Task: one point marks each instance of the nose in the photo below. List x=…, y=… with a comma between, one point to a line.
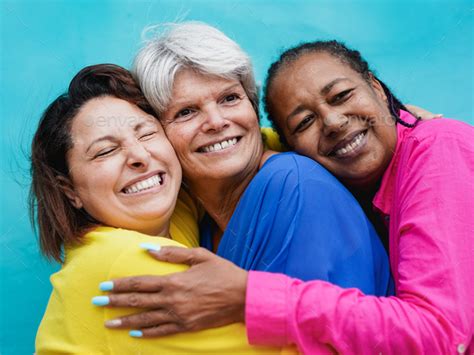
x=138, y=157
x=215, y=120
x=334, y=123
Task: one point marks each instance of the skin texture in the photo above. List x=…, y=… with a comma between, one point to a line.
x=205, y=110
x=115, y=144
x=320, y=103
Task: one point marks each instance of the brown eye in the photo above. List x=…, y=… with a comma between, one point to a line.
x=183, y=113
x=340, y=97
x=305, y=122
x=230, y=98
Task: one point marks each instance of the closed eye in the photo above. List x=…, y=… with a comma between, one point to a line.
x=105, y=152
x=148, y=135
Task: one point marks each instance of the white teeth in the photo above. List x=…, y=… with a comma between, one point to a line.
x=219, y=146
x=144, y=185
x=349, y=147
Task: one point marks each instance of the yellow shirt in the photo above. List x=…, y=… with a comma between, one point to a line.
x=71, y=324
x=271, y=140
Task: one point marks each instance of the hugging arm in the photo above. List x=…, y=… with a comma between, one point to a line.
x=432, y=263
x=320, y=231
x=211, y=293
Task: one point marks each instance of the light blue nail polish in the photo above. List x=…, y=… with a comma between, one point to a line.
x=150, y=246
x=100, y=301
x=136, y=333
x=106, y=286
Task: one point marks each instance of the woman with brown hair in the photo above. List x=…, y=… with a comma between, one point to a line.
x=105, y=185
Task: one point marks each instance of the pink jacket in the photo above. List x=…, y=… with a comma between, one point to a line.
x=427, y=198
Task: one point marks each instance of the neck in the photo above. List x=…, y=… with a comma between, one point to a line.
x=365, y=197
x=220, y=197
x=163, y=230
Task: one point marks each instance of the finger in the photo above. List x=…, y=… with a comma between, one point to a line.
x=162, y=330
x=147, y=283
x=142, y=320
x=179, y=255
x=134, y=300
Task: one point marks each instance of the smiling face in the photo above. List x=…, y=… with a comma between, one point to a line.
x=123, y=170
x=329, y=112
x=213, y=128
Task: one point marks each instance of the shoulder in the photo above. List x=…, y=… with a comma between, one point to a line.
x=113, y=252
x=106, y=243
x=438, y=130
x=271, y=139
x=292, y=165
x=290, y=175
x=442, y=142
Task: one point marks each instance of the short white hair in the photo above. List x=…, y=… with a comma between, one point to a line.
x=190, y=45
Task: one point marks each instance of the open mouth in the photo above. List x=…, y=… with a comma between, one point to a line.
x=144, y=185
x=348, y=146
x=216, y=147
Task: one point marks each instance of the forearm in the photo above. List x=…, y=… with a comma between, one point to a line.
x=320, y=317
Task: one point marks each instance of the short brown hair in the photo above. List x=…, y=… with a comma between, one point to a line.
x=59, y=222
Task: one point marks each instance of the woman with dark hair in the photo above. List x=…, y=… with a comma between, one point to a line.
x=327, y=104
x=105, y=185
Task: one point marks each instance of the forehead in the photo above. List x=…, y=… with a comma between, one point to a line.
x=316, y=68
x=190, y=83
x=108, y=114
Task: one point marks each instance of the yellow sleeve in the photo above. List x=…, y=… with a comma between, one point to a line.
x=71, y=324
x=271, y=140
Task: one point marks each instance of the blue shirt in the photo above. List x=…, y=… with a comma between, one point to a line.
x=296, y=218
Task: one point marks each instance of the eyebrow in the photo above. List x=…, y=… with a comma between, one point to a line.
x=324, y=91
x=112, y=138
x=329, y=86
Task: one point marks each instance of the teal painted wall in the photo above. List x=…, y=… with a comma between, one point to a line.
x=422, y=49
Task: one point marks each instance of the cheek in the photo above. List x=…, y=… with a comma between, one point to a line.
x=179, y=139
x=308, y=143
x=246, y=116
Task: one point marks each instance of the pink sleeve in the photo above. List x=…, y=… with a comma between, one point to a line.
x=432, y=261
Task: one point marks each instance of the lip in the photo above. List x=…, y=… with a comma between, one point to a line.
x=199, y=150
x=346, y=140
x=144, y=177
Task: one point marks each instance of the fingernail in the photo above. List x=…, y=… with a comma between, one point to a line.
x=439, y=115
x=100, y=300
x=106, y=286
x=150, y=246
x=113, y=323
x=136, y=333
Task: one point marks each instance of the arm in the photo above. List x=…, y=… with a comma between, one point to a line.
x=305, y=223
x=432, y=312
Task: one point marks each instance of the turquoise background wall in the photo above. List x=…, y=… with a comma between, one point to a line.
x=422, y=49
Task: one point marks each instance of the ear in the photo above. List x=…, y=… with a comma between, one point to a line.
x=377, y=87
x=66, y=186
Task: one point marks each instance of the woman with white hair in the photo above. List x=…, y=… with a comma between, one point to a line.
x=264, y=211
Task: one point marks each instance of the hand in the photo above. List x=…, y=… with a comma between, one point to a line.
x=422, y=113
x=211, y=293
